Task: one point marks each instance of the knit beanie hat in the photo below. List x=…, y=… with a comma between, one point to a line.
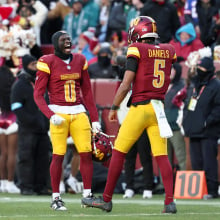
x=26, y=59
x=207, y=63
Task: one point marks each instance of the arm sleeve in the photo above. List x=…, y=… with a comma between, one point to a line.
x=88, y=96
x=132, y=64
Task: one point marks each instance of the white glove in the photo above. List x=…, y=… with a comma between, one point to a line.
x=96, y=127
x=56, y=119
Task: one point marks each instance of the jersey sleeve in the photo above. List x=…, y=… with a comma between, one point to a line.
x=87, y=94
x=42, y=77
x=133, y=51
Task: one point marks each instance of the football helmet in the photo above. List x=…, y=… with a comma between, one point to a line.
x=142, y=27
x=101, y=147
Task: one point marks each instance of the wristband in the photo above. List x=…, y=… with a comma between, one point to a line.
x=114, y=107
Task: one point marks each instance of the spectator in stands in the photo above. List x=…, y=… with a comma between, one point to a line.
x=208, y=21
x=165, y=14
x=8, y=132
x=180, y=6
x=176, y=143
x=201, y=123
x=185, y=41
x=61, y=9
x=135, y=11
x=33, y=141
x=103, y=67
x=101, y=28
x=36, y=18
x=86, y=45
x=76, y=22
x=117, y=18
x=54, y=21
x=91, y=10
x=190, y=14
x=119, y=40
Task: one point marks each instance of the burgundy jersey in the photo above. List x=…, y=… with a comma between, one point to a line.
x=64, y=83
x=153, y=73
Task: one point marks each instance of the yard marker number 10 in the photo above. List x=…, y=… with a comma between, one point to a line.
x=190, y=185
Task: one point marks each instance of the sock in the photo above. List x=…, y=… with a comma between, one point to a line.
x=167, y=177
x=56, y=172
x=86, y=192
x=115, y=168
x=86, y=169
x=54, y=195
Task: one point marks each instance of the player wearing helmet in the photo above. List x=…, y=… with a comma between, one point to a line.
x=148, y=70
x=65, y=75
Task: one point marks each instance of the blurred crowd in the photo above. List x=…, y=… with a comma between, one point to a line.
x=98, y=29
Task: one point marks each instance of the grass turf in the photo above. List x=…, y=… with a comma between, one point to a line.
x=14, y=207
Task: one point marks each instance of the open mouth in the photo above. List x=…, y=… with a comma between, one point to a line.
x=67, y=48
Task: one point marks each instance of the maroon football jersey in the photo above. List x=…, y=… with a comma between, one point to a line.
x=154, y=67
x=64, y=83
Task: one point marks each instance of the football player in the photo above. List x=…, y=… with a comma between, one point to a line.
x=65, y=76
x=148, y=70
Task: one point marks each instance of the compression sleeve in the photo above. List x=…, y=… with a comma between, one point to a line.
x=132, y=64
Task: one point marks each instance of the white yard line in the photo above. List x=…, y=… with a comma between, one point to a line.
x=6, y=199
x=97, y=216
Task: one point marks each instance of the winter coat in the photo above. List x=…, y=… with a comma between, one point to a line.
x=165, y=16
x=193, y=44
x=29, y=117
x=204, y=121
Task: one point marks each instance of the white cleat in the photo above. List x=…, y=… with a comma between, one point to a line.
x=58, y=204
x=147, y=194
x=129, y=193
x=12, y=188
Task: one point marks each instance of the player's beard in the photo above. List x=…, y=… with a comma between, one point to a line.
x=62, y=55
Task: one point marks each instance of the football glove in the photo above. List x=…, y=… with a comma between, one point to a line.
x=56, y=119
x=96, y=127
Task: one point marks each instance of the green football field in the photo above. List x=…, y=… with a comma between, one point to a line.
x=37, y=207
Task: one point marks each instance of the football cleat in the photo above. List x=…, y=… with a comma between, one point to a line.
x=101, y=147
x=129, y=193
x=12, y=188
x=90, y=196
x=170, y=208
x=142, y=27
x=58, y=204
x=97, y=203
x=147, y=194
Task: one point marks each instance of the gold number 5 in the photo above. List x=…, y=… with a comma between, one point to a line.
x=158, y=73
